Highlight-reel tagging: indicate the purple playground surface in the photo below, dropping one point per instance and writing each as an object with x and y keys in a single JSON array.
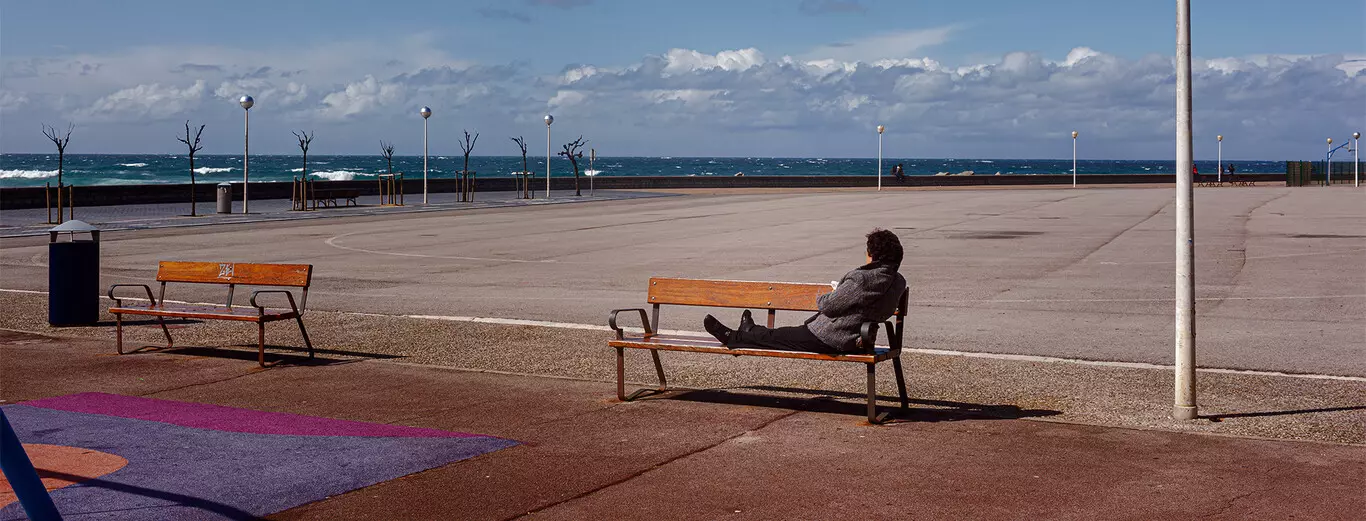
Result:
[{"x": 199, "y": 461}]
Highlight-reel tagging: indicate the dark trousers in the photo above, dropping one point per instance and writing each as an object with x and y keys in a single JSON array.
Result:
[{"x": 792, "y": 338}]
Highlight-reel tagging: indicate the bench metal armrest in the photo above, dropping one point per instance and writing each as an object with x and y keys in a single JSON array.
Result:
[
  {"x": 287, "y": 294},
  {"x": 644, "y": 321},
  {"x": 119, "y": 302},
  {"x": 867, "y": 336}
]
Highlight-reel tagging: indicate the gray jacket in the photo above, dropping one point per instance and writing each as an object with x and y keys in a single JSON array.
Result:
[{"x": 870, "y": 293}]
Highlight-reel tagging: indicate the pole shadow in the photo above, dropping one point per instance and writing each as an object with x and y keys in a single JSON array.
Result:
[
  {"x": 1222, "y": 417},
  {"x": 221, "y": 509}
]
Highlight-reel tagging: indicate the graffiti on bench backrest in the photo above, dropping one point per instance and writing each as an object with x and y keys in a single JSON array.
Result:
[{"x": 225, "y": 271}]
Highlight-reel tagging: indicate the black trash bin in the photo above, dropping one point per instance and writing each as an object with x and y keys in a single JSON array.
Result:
[{"x": 73, "y": 275}]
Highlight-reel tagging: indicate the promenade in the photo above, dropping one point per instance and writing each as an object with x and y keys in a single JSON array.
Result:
[{"x": 1040, "y": 330}]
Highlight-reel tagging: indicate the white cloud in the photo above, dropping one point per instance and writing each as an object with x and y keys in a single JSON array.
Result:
[
  {"x": 360, "y": 97},
  {"x": 682, "y": 61},
  {"x": 148, "y": 101}
]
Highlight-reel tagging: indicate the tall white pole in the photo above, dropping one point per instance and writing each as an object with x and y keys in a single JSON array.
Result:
[
  {"x": 246, "y": 156},
  {"x": 880, "y": 128},
  {"x": 246, "y": 102},
  {"x": 1328, "y": 159},
  {"x": 548, "y": 120},
  {"x": 1219, "y": 177},
  {"x": 1074, "y": 159},
  {"x": 1184, "y": 405},
  {"x": 424, "y": 160},
  {"x": 1356, "y": 159}
]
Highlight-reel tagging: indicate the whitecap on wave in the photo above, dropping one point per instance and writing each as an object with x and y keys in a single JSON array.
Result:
[
  {"x": 212, "y": 170},
  {"x": 133, "y": 165},
  {"x": 27, "y": 174},
  {"x": 338, "y": 175}
]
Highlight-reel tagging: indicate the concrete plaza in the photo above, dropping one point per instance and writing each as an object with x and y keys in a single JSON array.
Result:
[{"x": 1040, "y": 322}]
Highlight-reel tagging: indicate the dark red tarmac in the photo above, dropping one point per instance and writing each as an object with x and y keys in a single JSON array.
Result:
[{"x": 712, "y": 454}]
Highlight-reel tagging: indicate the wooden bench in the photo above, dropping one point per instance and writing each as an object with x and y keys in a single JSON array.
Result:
[
  {"x": 769, "y": 296},
  {"x": 226, "y": 274},
  {"x": 328, "y": 196}
]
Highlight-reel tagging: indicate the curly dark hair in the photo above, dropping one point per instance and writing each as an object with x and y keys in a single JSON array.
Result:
[{"x": 884, "y": 247}]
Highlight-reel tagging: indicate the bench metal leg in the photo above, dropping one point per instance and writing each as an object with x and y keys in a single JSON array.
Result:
[
  {"x": 261, "y": 344},
  {"x": 165, "y": 331},
  {"x": 621, "y": 374},
  {"x": 659, "y": 370},
  {"x": 900, "y": 383},
  {"x": 304, "y": 332},
  {"x": 621, "y": 377},
  {"x": 118, "y": 332},
  {"x": 872, "y": 393}
]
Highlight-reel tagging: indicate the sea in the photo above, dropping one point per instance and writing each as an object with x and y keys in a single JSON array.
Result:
[{"x": 18, "y": 170}]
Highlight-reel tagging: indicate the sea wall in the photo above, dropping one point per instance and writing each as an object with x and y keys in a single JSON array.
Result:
[{"x": 104, "y": 195}]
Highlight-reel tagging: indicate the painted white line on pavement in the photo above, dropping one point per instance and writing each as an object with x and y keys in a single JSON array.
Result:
[{"x": 942, "y": 352}]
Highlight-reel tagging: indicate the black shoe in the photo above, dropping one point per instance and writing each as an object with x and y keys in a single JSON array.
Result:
[
  {"x": 746, "y": 321},
  {"x": 717, "y": 329}
]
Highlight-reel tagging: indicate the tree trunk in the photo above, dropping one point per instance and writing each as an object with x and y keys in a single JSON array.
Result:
[
  {"x": 193, "y": 202},
  {"x": 575, "y": 162}
]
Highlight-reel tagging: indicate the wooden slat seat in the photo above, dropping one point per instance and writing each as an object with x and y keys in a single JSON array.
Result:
[
  {"x": 768, "y": 296},
  {"x": 694, "y": 344},
  {"x": 206, "y": 312},
  {"x": 231, "y": 275}
]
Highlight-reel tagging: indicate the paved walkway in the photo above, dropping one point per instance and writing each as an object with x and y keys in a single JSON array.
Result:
[
  {"x": 33, "y": 221},
  {"x": 742, "y": 454}
]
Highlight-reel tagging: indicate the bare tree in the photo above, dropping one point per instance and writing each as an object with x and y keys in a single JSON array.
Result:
[
  {"x": 573, "y": 150},
  {"x": 193, "y": 144},
  {"x": 467, "y": 146},
  {"x": 305, "y": 138},
  {"x": 526, "y": 179},
  {"x": 60, "y": 141},
  {"x": 388, "y": 150}
]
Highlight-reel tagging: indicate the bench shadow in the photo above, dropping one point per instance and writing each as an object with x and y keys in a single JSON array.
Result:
[
  {"x": 135, "y": 322},
  {"x": 286, "y": 355},
  {"x": 1222, "y": 417},
  {"x": 835, "y": 402}
]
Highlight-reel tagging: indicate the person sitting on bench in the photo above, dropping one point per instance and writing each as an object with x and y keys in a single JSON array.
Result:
[{"x": 869, "y": 293}]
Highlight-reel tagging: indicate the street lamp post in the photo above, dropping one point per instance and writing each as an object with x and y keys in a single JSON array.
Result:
[
  {"x": 1183, "y": 400},
  {"x": 426, "y": 112},
  {"x": 1219, "y": 176},
  {"x": 880, "y": 128},
  {"x": 548, "y": 120},
  {"x": 1074, "y": 159},
  {"x": 246, "y": 102},
  {"x": 1328, "y": 163},
  {"x": 1356, "y": 159}
]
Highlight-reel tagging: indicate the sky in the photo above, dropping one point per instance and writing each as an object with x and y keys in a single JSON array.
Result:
[{"x": 807, "y": 78}]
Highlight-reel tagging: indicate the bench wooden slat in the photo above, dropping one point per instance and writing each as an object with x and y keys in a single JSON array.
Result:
[
  {"x": 694, "y": 344},
  {"x": 295, "y": 275},
  {"x": 736, "y": 294},
  {"x": 175, "y": 310}
]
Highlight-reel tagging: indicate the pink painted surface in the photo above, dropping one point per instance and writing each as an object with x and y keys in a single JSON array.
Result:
[{"x": 230, "y": 419}]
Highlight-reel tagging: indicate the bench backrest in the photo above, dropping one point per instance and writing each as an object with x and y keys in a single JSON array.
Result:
[
  {"x": 736, "y": 294},
  {"x": 295, "y": 275}
]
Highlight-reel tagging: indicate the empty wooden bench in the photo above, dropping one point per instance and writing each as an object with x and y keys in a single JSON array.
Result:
[
  {"x": 230, "y": 275},
  {"x": 328, "y": 197},
  {"x": 768, "y": 296}
]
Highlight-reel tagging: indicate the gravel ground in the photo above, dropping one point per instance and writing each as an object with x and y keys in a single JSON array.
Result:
[{"x": 1232, "y": 404}]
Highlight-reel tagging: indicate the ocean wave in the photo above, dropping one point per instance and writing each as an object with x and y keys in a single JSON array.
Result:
[
  {"x": 212, "y": 170},
  {"x": 296, "y": 169},
  {"x": 27, "y": 174},
  {"x": 133, "y": 165},
  {"x": 338, "y": 175},
  {"x": 592, "y": 172}
]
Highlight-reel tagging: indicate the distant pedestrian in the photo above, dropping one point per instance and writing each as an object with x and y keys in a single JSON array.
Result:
[
  {"x": 899, "y": 172},
  {"x": 1195, "y": 170},
  {"x": 1230, "y": 169}
]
